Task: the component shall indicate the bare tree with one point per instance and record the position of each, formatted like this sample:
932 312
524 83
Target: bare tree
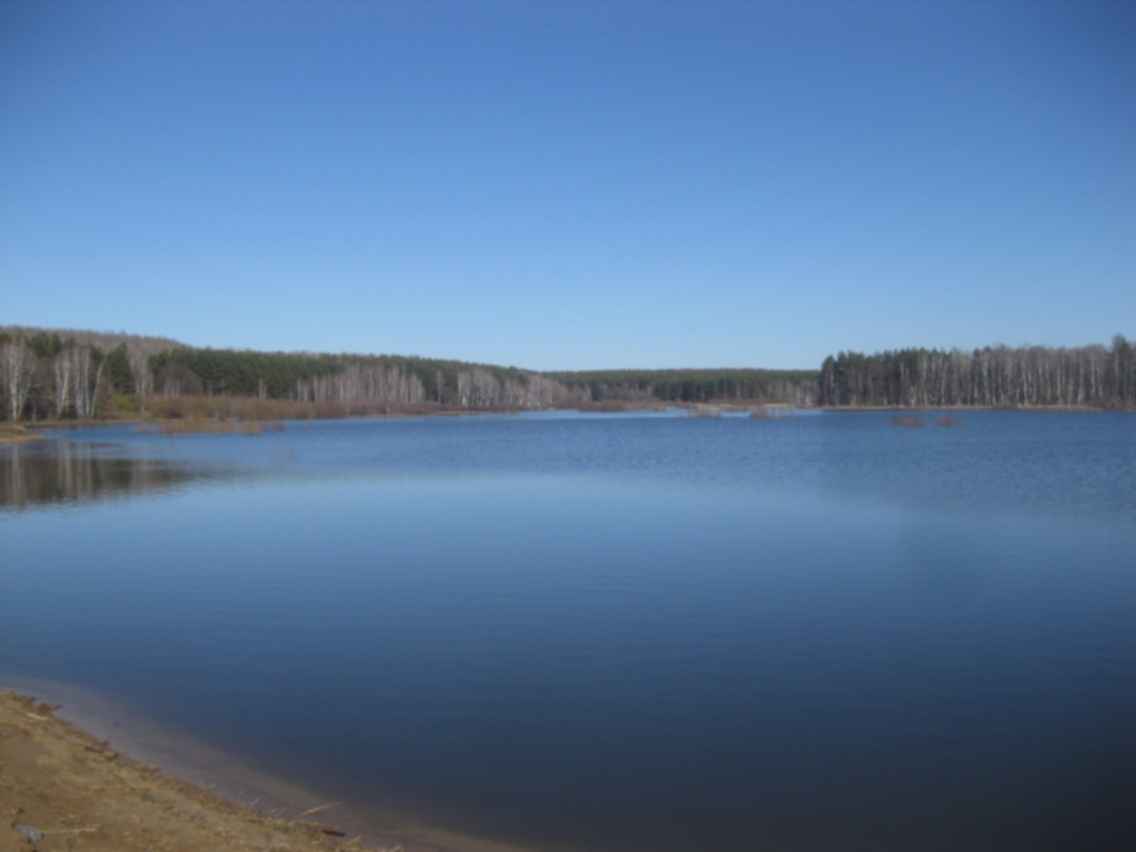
88 377
16 366
62 370
139 361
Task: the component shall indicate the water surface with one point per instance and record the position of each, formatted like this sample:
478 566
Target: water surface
615 632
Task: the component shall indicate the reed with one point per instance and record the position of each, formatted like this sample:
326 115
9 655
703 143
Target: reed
251 415
617 405
219 427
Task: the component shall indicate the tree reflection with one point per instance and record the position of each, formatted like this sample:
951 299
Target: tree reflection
64 472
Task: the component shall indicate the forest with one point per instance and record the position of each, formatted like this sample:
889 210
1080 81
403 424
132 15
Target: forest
50 374
994 376
714 385
56 374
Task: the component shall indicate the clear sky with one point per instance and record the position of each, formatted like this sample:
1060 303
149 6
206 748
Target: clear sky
571 185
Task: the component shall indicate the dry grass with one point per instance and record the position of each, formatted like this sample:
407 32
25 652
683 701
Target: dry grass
617 405
187 415
219 427
224 408
16 434
183 415
244 408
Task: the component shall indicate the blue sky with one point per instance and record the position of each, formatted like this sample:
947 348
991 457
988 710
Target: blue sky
571 185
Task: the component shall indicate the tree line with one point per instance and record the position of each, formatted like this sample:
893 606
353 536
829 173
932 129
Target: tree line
394 379
51 374
691 386
48 374
993 376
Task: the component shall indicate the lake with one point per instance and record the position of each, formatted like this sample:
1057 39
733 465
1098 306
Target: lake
614 632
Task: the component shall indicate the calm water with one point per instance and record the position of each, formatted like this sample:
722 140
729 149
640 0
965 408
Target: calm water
616 632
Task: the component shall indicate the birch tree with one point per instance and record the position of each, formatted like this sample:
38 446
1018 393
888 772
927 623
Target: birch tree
62 370
16 364
996 376
88 377
140 371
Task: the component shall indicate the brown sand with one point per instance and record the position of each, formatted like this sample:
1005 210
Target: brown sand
60 788
65 789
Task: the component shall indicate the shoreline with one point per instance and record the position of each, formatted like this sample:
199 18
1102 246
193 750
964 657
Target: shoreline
23 434
15 435
1023 409
74 726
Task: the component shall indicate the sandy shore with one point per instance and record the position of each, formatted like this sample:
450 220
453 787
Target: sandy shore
94 785
61 788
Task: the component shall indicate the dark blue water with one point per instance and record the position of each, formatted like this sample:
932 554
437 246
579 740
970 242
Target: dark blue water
616 632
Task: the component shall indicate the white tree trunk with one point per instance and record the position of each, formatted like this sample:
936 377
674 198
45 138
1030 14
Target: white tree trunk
62 368
16 374
140 370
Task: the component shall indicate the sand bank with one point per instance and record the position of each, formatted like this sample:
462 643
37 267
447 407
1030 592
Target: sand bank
78 772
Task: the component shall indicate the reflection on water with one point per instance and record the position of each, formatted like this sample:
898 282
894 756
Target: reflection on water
65 472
